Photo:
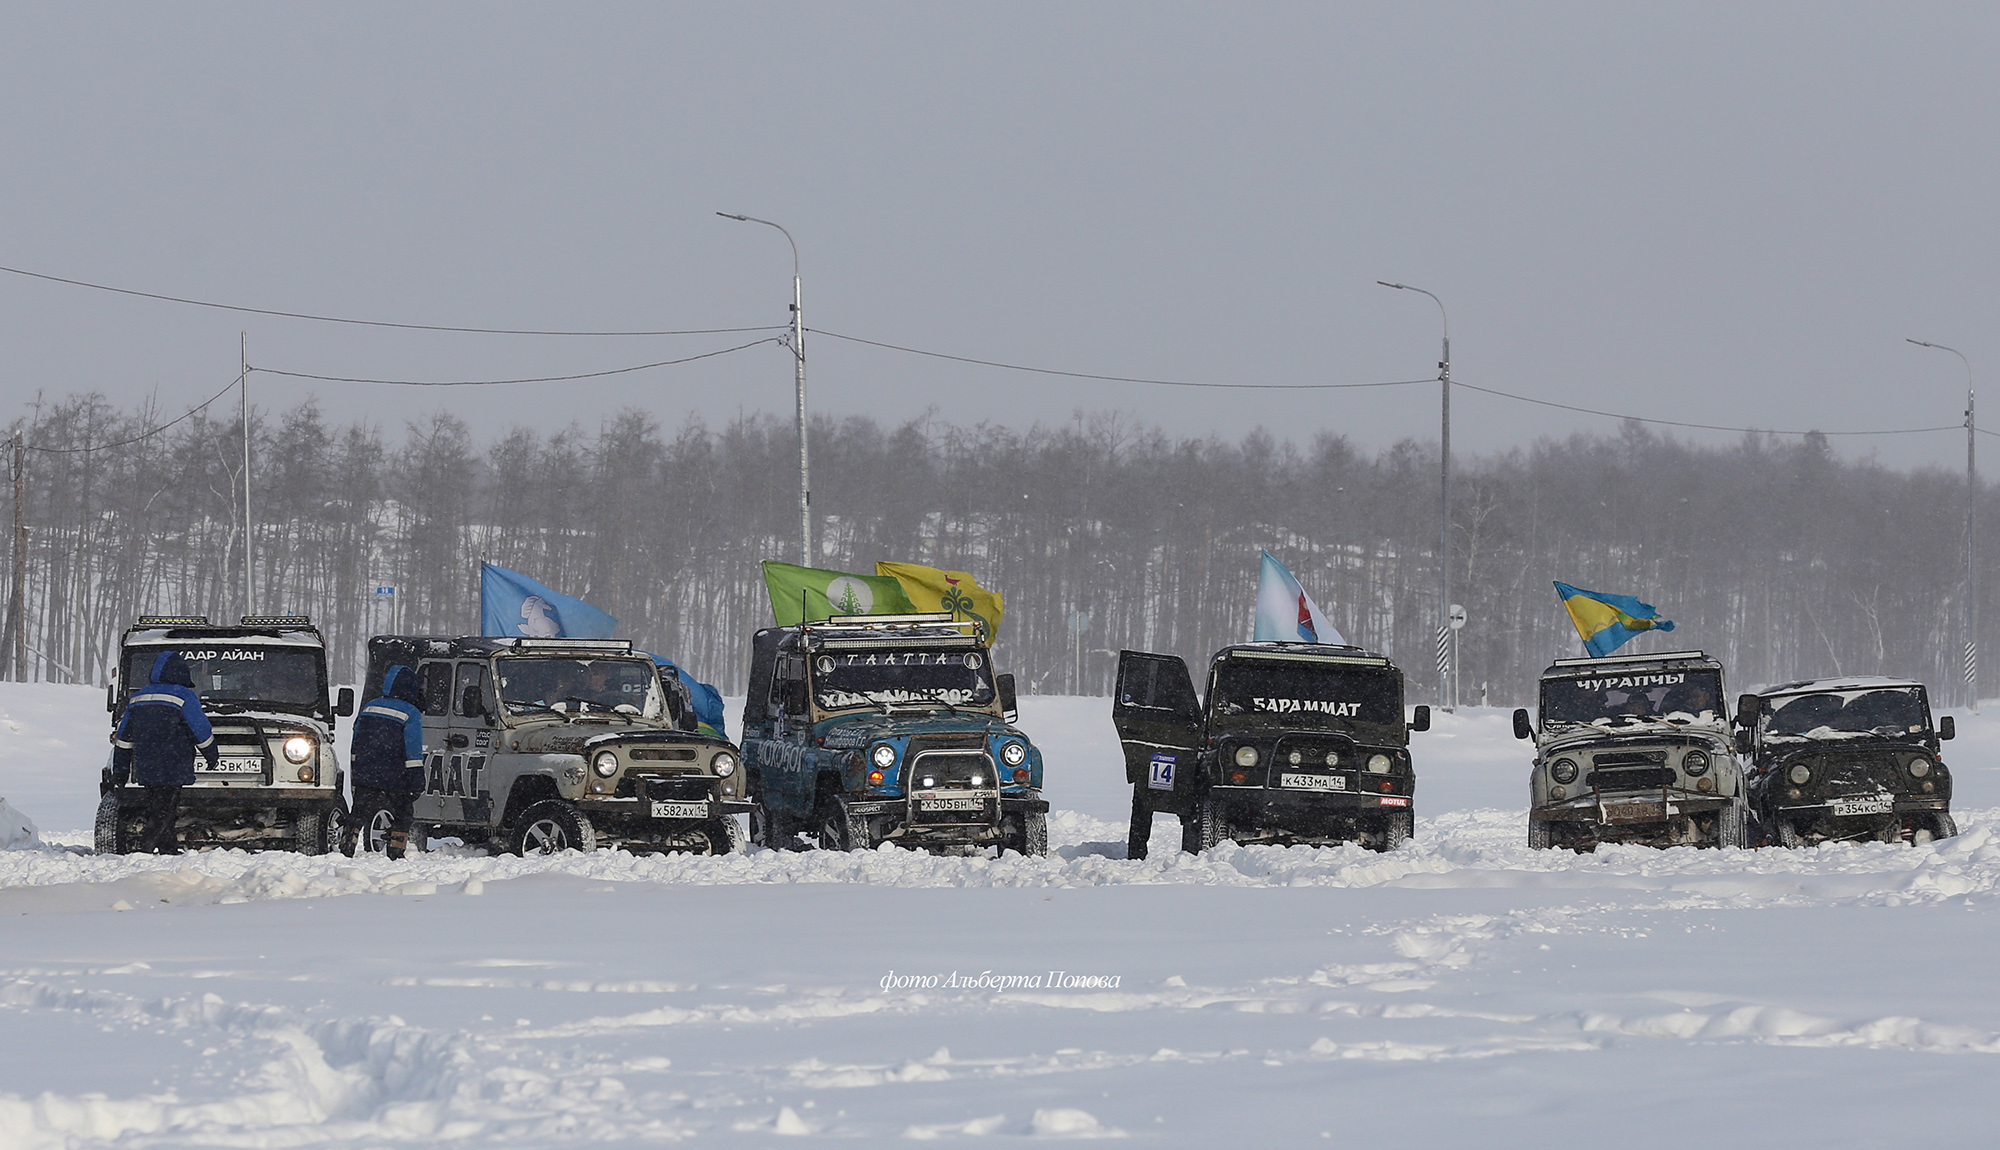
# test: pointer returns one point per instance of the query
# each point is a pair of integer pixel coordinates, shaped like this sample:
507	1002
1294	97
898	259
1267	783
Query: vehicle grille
686	788
953	769
1631	778
967	741
1629	759
1312	755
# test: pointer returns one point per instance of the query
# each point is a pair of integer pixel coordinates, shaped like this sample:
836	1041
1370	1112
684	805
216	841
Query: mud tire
110	834
1788	835
317	831
1541	835
551	827
1392	831
1732	826
1026	834
1203	828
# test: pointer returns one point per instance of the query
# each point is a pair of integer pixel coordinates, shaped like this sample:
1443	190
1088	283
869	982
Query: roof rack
521	644
1653	657
277	621
172	621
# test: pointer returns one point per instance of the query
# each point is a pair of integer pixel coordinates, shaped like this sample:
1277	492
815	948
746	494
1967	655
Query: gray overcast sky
1728	213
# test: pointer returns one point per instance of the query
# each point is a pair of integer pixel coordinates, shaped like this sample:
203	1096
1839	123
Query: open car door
1159	721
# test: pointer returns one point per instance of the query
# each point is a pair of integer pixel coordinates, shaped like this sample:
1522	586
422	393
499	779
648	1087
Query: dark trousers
163	806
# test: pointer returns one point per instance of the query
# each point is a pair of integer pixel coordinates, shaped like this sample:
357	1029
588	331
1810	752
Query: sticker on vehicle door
1160	776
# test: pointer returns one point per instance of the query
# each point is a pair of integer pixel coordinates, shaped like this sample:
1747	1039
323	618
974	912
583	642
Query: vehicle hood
857	730
1603	733
574	738
247	719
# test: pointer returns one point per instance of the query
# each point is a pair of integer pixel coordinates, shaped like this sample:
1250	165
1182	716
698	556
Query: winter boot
399	841
350	837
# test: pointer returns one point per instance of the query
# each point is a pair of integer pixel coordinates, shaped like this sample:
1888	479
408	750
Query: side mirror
1420	717
343	703
1747	707
111	700
1003	685
472	701
1524	727
1947	728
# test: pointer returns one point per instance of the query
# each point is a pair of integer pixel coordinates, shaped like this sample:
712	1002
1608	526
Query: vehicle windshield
572	685
1891	712
844	679
1682	696
243	675
1310	693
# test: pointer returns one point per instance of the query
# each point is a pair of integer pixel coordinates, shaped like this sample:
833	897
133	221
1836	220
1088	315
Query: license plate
669	809
1314	782
232	765
929	804
1866	805
1634	812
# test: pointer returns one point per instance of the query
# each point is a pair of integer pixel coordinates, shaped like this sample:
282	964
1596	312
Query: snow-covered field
1461	991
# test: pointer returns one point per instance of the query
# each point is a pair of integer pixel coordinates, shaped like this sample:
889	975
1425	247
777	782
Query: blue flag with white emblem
514	605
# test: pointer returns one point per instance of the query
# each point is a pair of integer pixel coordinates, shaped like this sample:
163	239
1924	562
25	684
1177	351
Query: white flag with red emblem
1285	613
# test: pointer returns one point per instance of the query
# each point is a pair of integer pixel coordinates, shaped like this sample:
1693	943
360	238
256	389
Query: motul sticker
1394	801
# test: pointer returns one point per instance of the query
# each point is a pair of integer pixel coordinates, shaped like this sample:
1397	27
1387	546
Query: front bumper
971	816
197	798
1282	803
1630	808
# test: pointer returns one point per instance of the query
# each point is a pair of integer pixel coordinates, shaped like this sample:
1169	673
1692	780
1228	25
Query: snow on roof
1839	683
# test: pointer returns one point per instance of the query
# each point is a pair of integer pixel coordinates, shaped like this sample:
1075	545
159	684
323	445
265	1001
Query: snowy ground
1463	990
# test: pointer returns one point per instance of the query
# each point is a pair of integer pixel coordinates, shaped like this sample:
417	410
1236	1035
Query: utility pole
1971	519
799	353
17	632
249	550
1446	699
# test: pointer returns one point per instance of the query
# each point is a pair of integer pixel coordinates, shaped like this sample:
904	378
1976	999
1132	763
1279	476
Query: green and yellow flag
932	589
803	594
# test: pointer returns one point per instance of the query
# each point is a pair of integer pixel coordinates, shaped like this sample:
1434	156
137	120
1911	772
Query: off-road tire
373	819
549	827
1541	835
772	829
316	831
1203	827
838	830
1732	826
1139	837
1390	831
110	835
1788	835
1939	825
1026	834
725	836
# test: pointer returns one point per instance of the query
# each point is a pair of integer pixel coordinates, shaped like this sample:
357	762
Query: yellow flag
955	591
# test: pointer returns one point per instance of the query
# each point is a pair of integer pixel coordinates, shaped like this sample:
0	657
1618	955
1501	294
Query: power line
227	388
1697	426
1113	378
507	382
371	322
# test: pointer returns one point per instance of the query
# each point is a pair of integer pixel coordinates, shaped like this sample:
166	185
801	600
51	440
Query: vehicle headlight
1800	775
298	749
1920	766
1379	764
1563	770
1695	762
1246	756
884	756
1013	754
605	764
723	764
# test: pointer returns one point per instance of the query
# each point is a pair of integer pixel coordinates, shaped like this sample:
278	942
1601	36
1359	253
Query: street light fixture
799	352
1445	700
1971	501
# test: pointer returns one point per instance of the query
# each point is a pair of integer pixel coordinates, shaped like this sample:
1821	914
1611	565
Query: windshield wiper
531	703
593	707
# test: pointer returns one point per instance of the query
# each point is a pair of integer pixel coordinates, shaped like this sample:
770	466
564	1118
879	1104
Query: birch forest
1776	555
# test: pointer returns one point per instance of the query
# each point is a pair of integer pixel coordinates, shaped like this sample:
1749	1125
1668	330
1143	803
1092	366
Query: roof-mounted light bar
277	621
172	621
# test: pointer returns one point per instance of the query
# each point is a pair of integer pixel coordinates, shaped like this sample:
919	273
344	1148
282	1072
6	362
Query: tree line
1775	554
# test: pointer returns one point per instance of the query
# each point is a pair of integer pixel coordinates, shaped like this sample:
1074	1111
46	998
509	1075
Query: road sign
1457	617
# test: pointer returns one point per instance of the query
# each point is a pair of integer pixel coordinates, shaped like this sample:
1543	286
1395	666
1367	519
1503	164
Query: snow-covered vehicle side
1292	743
868	729
277	781
1633	749
541	745
1845	759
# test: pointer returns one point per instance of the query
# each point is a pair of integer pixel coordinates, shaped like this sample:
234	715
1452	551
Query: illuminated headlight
1379	764
1295	758
929	781
1013	754
723	764
1695	762
605	764
298	749
1563	771
1920	767
1800	775
884	756
1246	756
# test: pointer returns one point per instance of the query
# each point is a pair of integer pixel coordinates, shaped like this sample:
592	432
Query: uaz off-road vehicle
1852	758
1633	749
867	729
277	781
1296	743
542	745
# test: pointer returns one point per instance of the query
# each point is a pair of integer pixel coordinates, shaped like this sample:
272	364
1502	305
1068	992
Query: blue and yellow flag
1608	622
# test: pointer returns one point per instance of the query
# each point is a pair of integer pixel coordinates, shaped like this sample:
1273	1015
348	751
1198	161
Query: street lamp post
1445	699
799	353
1971	503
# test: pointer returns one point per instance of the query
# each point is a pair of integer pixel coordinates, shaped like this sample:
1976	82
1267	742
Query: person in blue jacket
388	758
162	730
